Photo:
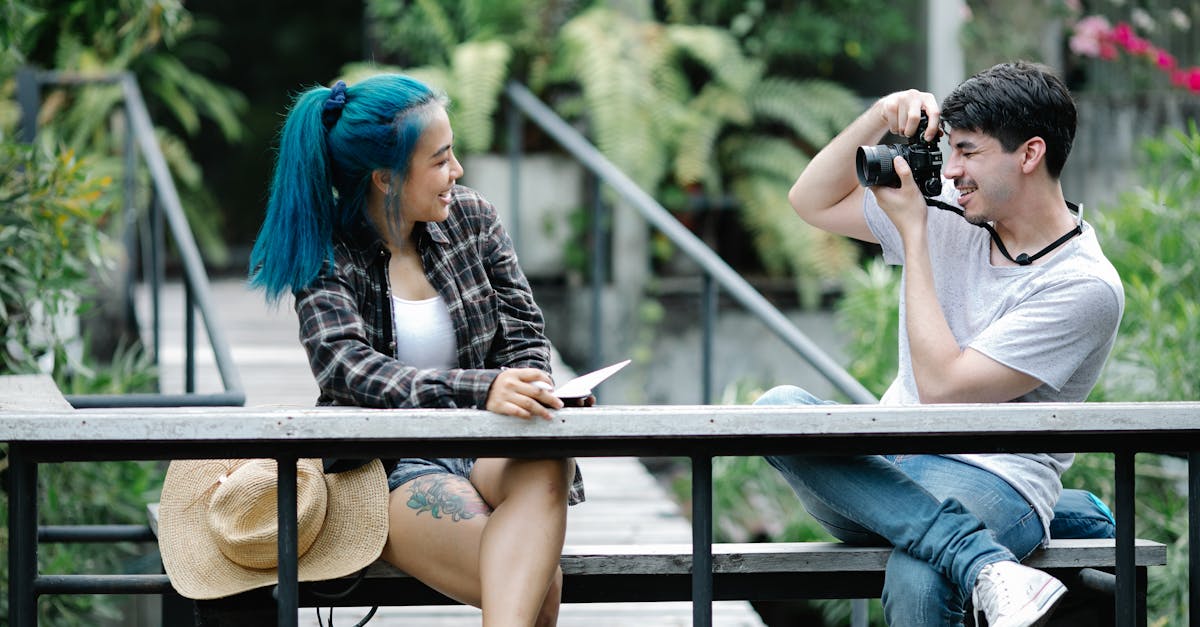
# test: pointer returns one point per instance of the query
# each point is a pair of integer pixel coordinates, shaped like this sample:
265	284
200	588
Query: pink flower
1090	34
1194	79
1094	37
1123	34
1165	60
1137	46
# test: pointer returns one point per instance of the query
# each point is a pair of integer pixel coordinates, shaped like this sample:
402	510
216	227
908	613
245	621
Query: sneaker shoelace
991	597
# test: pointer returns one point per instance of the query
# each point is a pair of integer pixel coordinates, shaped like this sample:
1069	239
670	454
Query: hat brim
353	535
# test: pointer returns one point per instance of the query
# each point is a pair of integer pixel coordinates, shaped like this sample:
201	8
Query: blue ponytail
323	171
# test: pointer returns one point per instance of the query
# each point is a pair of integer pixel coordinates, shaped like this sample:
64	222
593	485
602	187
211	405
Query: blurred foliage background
717	102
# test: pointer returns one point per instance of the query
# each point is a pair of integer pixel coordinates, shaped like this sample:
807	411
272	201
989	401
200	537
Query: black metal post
157	271
702	567
129	231
29	94
22	538
288	590
516	123
599	263
1193	538
1126	611
189	339
708	305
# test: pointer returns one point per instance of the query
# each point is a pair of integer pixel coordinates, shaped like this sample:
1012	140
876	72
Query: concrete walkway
625	504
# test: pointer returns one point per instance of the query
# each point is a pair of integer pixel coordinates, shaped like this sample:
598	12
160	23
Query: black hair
1014	102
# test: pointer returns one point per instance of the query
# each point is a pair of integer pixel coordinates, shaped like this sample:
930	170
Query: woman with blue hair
409	295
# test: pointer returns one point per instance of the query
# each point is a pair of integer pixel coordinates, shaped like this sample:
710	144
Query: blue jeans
946	519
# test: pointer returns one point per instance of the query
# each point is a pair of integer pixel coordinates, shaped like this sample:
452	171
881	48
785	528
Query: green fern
719	53
479	70
613	58
786	244
708	114
766	155
814	110
473	84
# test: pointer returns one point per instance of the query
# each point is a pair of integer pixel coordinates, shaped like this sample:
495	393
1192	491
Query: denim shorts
409	468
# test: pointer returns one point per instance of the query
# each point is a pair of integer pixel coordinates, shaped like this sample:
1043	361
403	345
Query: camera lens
874	165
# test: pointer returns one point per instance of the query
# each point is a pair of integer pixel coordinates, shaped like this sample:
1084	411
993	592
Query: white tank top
424	333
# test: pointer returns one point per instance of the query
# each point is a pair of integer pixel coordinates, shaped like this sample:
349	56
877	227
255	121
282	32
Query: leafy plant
1148	236
51	241
679	105
808	38
468	48
57	202
160	43
53	248
868	313
473	79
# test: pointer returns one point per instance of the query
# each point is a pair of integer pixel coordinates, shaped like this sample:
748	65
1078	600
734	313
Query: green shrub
53	248
1149	234
52	243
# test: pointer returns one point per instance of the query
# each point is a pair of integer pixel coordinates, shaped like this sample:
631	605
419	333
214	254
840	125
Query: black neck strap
1022	259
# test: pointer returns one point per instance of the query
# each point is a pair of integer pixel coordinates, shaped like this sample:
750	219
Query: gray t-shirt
1055	321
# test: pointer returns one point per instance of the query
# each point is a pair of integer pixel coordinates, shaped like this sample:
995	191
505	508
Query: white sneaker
1012	595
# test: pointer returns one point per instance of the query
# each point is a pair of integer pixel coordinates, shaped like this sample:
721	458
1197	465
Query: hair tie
331	111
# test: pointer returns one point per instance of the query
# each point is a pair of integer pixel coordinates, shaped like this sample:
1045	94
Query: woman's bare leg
443	532
522	543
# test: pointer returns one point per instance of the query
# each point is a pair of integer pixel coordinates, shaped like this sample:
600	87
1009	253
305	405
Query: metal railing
717	274
165	207
698	432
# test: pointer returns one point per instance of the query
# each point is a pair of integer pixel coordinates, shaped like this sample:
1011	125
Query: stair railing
165	207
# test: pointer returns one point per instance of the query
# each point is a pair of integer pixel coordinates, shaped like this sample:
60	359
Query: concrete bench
741	571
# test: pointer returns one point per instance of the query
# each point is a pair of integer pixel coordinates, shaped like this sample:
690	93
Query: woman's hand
524	393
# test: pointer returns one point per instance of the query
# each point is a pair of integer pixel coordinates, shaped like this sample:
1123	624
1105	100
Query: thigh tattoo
444	495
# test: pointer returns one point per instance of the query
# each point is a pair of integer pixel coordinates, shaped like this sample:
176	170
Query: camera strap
1022	259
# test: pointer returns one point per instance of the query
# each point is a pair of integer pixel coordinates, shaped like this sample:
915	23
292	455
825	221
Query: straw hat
218	530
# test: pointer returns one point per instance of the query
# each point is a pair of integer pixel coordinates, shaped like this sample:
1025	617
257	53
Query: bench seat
749	571
758	571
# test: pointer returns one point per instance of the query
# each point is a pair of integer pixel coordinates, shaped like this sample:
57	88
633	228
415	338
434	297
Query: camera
874	163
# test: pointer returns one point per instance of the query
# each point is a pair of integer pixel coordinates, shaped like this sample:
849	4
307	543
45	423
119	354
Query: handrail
600	166
142	139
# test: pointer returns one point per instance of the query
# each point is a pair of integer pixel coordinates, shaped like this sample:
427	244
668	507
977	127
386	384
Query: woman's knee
558	472
499	479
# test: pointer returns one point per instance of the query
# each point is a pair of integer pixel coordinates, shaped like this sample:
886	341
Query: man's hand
516	392
905	206
901	113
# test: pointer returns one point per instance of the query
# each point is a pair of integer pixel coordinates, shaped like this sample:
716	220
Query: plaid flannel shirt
346	315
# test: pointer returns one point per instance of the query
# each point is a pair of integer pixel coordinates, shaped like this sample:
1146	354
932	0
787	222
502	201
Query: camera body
874	163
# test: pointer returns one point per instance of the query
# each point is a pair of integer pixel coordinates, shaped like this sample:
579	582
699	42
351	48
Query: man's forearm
830	176
932	347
